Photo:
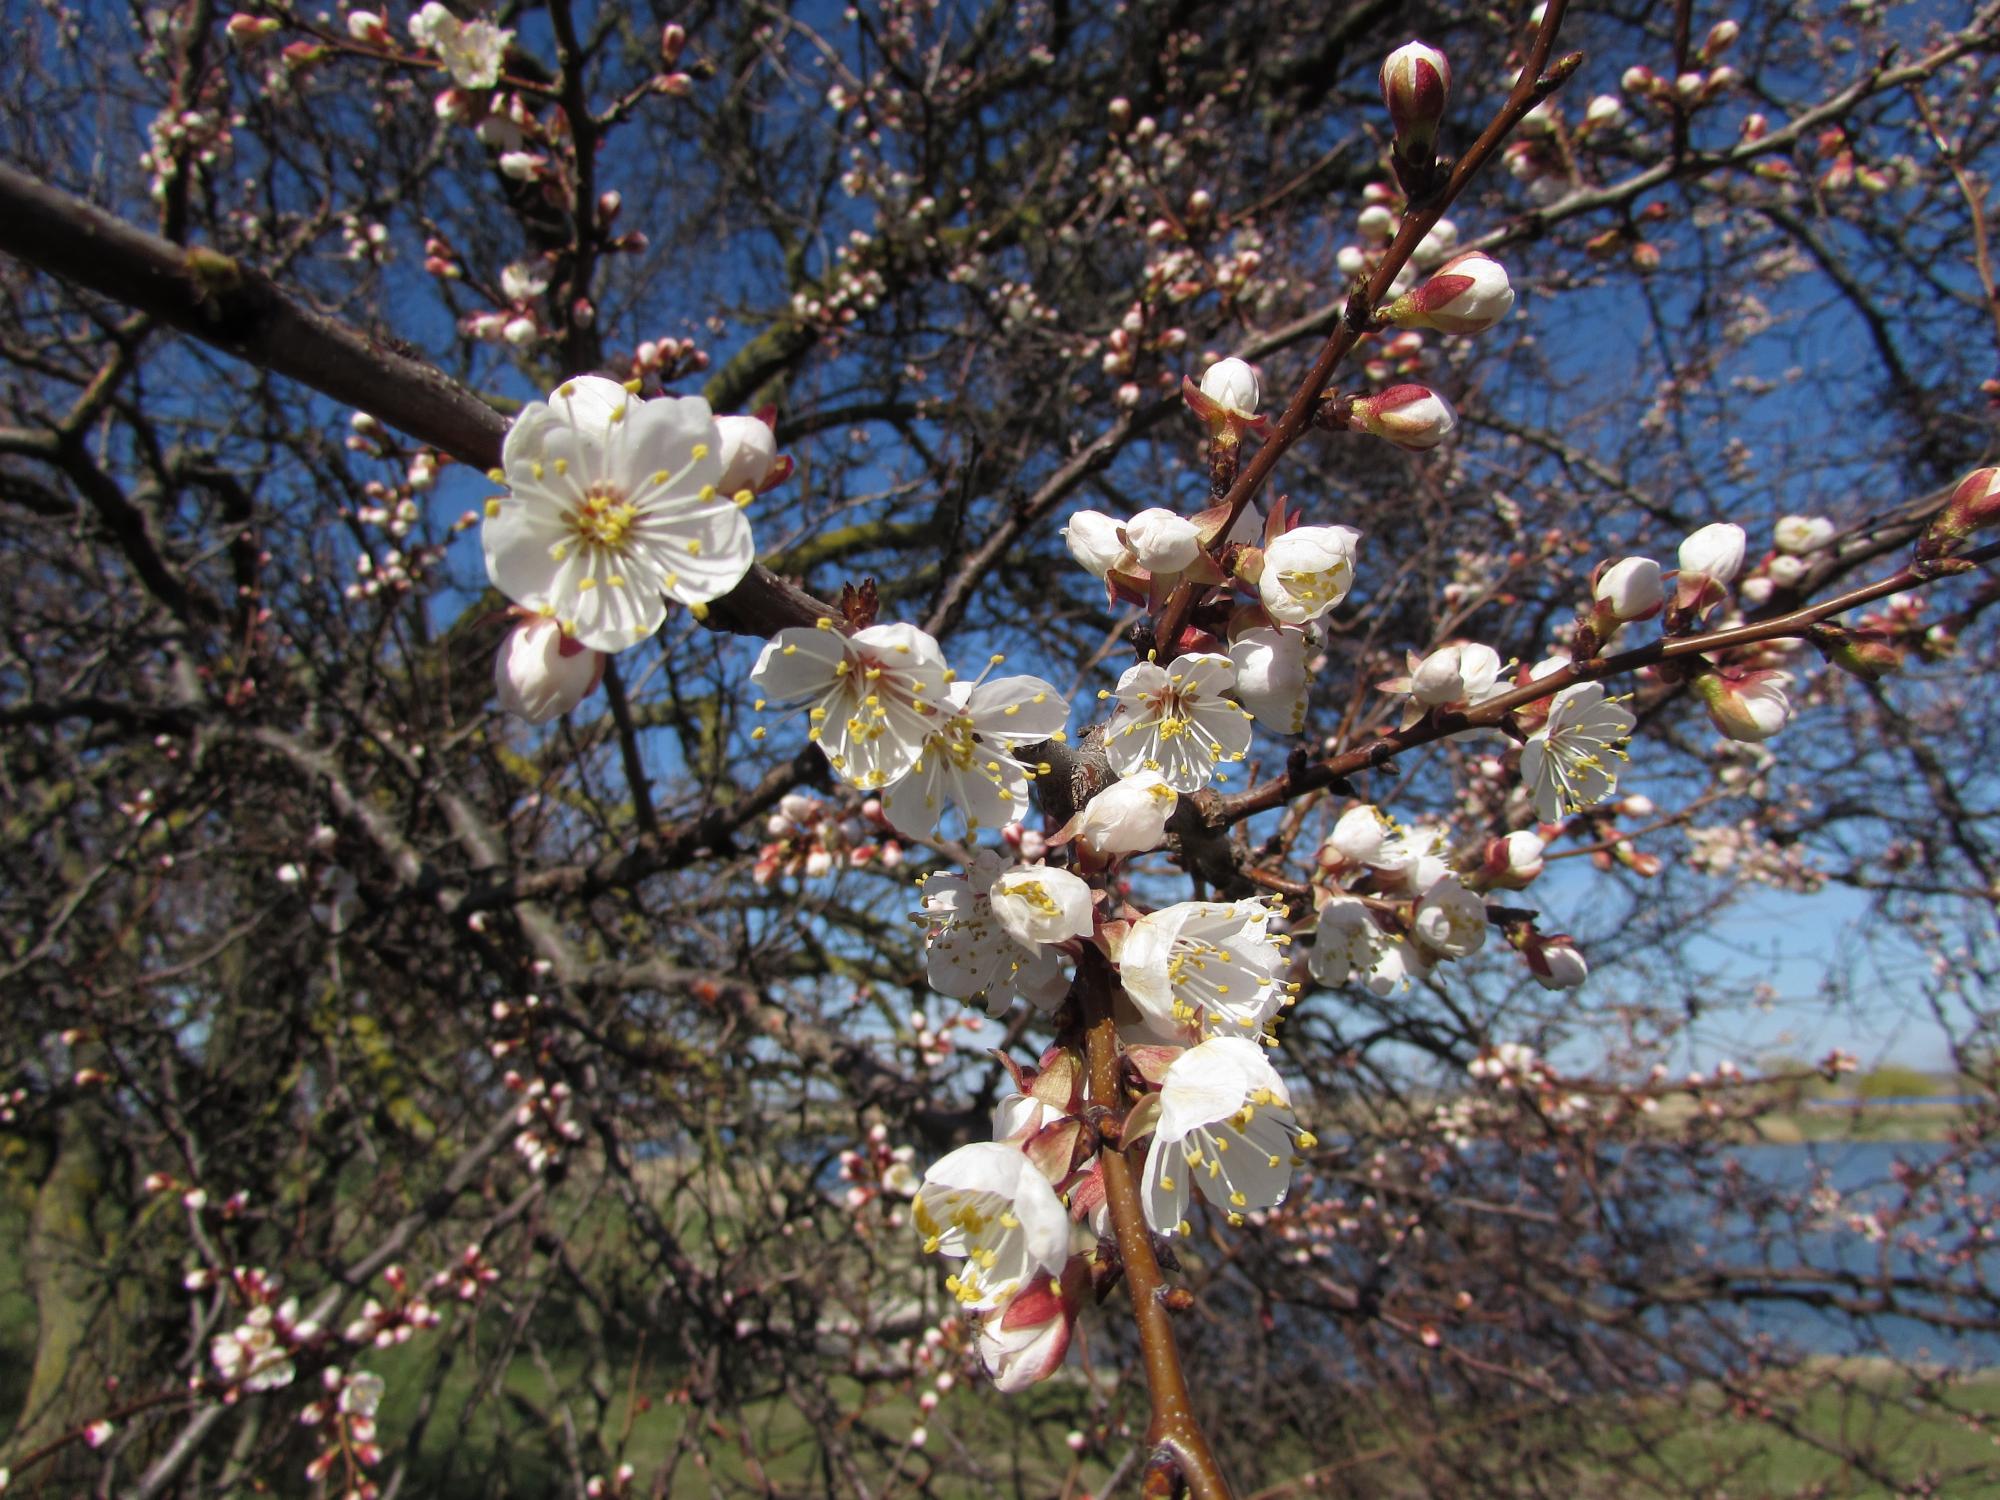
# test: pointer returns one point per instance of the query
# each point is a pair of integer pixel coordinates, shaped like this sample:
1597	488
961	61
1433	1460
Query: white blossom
612	504
1307	571
872	697
1037	905
1127	817
254	1355
1271	676
1176	720
968	756
970	955
1563	763
1226	1126
1450	921
1346	942
987	1205
472	51
1413	860
1205	964
1357	836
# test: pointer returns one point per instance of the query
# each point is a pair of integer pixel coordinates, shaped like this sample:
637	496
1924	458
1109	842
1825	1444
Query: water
1916	1246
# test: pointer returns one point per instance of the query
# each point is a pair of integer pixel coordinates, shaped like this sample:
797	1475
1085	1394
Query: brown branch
1531	88
1173	1426
1494	712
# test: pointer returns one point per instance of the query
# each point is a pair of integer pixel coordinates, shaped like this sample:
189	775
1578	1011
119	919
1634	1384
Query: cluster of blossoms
616	506
877	1170
807	837
257	1354
891	717
344	1420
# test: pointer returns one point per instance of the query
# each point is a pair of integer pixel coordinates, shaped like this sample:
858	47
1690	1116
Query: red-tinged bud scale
1973	504
1469	294
1410	416
1416	83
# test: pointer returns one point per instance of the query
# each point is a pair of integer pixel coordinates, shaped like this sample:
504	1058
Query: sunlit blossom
969	953
1210	965
612	508
872	698
986	1205
1225	1126
1563	764
968	758
1176	721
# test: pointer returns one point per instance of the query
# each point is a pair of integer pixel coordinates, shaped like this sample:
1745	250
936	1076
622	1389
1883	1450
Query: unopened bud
1710	559
540	673
1975	503
248	28
673	37
1416	82
1469	294
1233	385
1867	654
1410	416
1628	590
1748	706
1554	962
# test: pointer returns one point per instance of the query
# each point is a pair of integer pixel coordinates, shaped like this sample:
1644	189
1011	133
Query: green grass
1801	1451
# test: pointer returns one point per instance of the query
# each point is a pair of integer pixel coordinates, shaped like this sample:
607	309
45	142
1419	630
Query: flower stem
1173	1427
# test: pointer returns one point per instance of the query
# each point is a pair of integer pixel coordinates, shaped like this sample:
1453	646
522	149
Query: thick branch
241	311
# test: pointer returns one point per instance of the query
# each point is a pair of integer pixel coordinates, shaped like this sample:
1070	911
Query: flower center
604	519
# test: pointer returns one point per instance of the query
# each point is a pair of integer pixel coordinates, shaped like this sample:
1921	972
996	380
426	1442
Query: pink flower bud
1416	81
1469	294
673	37
1410	416
1025	1341
1975	503
367	26
1721	36
1749	706
540	673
